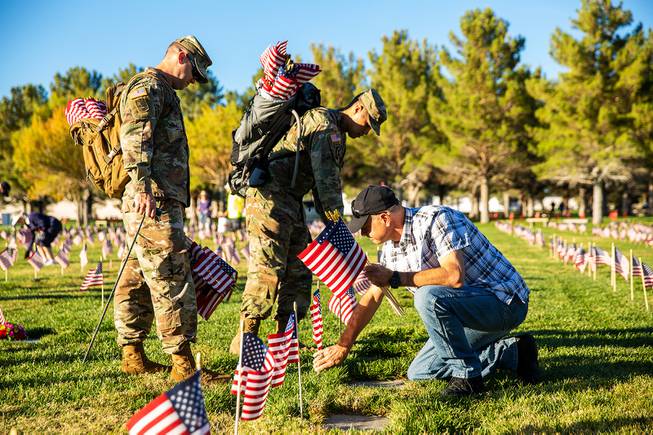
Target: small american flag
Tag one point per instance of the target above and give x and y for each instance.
(83, 257)
(257, 369)
(335, 258)
(2, 317)
(284, 346)
(362, 284)
(214, 279)
(35, 260)
(6, 259)
(107, 248)
(621, 264)
(343, 306)
(316, 319)
(180, 410)
(580, 261)
(601, 257)
(647, 271)
(94, 278)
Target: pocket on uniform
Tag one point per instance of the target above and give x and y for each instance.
(171, 267)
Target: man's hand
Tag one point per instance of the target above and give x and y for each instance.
(329, 357)
(378, 275)
(332, 215)
(145, 204)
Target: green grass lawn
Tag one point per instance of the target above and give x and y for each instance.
(596, 353)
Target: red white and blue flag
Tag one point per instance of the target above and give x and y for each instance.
(254, 374)
(180, 411)
(335, 258)
(214, 279)
(343, 306)
(316, 319)
(284, 346)
(621, 264)
(94, 278)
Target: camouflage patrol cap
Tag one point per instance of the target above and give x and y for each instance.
(198, 57)
(375, 106)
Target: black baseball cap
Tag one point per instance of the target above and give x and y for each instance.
(372, 200)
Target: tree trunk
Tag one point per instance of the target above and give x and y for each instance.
(485, 201)
(625, 204)
(649, 210)
(530, 206)
(474, 213)
(506, 204)
(597, 202)
(582, 202)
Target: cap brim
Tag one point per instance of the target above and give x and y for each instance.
(201, 76)
(357, 223)
(374, 125)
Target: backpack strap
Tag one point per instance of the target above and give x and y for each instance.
(299, 139)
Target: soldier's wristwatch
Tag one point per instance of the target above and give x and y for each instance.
(395, 280)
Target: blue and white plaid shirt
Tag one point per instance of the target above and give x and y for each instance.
(432, 232)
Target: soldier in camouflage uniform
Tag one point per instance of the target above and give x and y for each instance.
(157, 281)
(275, 215)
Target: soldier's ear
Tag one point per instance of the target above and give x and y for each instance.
(181, 57)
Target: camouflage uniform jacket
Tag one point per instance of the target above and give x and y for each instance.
(322, 152)
(153, 138)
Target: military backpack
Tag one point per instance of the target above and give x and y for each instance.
(263, 124)
(100, 142)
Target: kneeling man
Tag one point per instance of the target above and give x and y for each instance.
(466, 292)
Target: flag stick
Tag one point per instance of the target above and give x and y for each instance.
(613, 275)
(339, 316)
(589, 259)
(36, 274)
(240, 375)
(632, 284)
(399, 311)
(6, 275)
(299, 365)
(115, 285)
(644, 286)
(198, 361)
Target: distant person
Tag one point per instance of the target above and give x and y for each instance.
(466, 292)
(44, 230)
(235, 208)
(5, 188)
(204, 212)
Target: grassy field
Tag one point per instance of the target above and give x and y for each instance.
(596, 350)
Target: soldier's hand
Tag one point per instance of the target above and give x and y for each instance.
(145, 204)
(329, 357)
(332, 215)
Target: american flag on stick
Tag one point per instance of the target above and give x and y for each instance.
(35, 260)
(94, 278)
(361, 284)
(254, 376)
(284, 346)
(621, 264)
(335, 258)
(601, 257)
(580, 261)
(7, 259)
(316, 319)
(180, 410)
(214, 279)
(343, 306)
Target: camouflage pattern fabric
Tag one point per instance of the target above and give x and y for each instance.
(151, 114)
(157, 281)
(275, 215)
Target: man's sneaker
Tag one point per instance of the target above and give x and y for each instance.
(460, 387)
(48, 262)
(528, 369)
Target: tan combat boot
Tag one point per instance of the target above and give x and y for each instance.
(134, 361)
(250, 325)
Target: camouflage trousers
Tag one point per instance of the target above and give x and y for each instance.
(157, 281)
(277, 233)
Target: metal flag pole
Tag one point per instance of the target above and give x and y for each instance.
(240, 375)
(106, 307)
(299, 364)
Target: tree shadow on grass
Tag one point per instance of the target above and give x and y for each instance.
(627, 337)
(584, 426)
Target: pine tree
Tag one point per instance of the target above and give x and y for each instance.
(585, 135)
(484, 109)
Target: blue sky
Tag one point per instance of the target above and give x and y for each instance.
(40, 38)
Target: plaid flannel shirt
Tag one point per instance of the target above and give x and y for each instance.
(432, 232)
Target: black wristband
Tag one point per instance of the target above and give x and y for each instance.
(395, 280)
